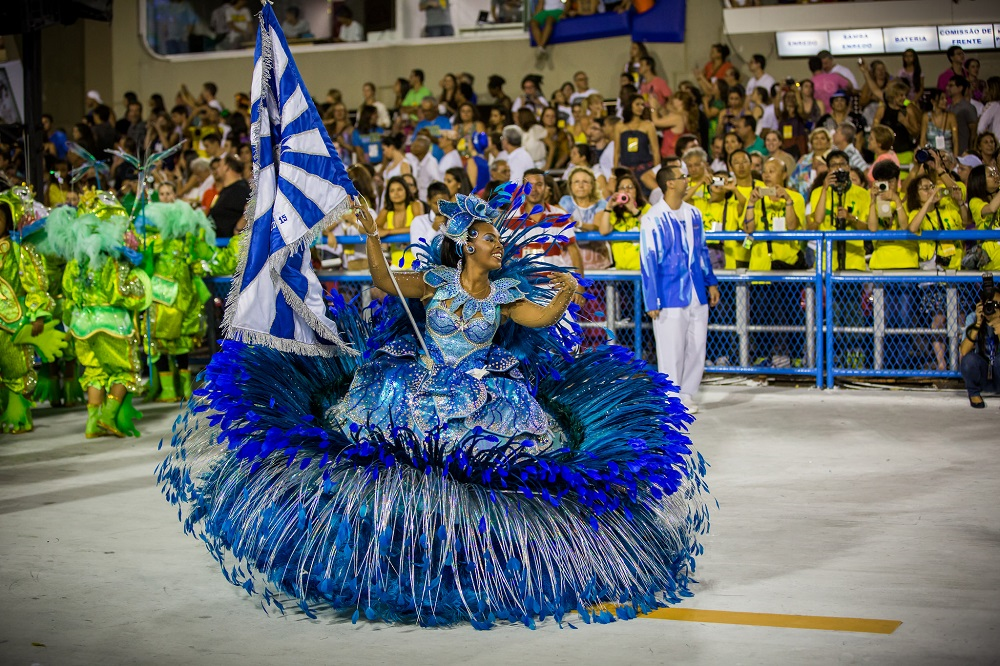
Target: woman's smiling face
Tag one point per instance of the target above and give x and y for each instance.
(487, 248)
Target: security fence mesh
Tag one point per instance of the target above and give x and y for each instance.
(766, 324)
(891, 327)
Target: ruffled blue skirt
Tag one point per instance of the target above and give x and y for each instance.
(304, 489)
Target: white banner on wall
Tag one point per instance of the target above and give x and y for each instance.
(860, 41)
(923, 38)
(798, 44)
(802, 43)
(969, 37)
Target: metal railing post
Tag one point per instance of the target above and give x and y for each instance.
(810, 333)
(828, 305)
(610, 312)
(637, 311)
(878, 325)
(743, 322)
(952, 325)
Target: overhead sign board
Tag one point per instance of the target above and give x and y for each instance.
(863, 41)
(860, 41)
(969, 37)
(802, 43)
(922, 38)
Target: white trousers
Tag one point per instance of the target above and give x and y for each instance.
(681, 335)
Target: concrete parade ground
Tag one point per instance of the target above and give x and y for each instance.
(853, 527)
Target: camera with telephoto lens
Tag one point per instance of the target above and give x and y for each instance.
(923, 155)
(988, 296)
(841, 181)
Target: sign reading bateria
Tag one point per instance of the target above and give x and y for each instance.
(923, 38)
(864, 41)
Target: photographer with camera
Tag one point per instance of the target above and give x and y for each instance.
(924, 202)
(979, 349)
(839, 205)
(623, 212)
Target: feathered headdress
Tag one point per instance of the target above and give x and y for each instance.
(463, 213)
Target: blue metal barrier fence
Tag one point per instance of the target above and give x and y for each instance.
(815, 323)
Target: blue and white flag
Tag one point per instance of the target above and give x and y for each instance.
(300, 187)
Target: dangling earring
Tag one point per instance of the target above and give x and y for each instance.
(470, 249)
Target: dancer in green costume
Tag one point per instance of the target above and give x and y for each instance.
(25, 310)
(179, 246)
(103, 291)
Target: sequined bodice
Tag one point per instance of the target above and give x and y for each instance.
(458, 325)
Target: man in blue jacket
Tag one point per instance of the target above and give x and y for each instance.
(678, 283)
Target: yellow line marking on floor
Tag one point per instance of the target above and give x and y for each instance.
(777, 620)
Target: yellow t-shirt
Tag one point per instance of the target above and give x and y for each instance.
(857, 201)
(626, 254)
(984, 222)
(947, 201)
(398, 251)
(942, 219)
(763, 253)
(893, 255)
(733, 221)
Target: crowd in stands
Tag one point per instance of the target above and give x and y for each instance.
(841, 149)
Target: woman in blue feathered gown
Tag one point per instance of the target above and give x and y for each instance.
(474, 470)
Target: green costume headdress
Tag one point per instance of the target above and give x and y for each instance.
(174, 220)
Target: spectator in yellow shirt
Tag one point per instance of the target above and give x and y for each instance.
(984, 206)
(773, 208)
(887, 213)
(840, 205)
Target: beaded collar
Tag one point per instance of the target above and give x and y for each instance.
(449, 288)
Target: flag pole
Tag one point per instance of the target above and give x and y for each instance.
(358, 202)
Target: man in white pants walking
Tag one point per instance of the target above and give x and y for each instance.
(678, 284)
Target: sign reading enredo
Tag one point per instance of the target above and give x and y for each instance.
(920, 39)
(969, 37)
(802, 43)
(859, 41)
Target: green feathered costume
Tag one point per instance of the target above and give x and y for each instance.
(179, 246)
(24, 299)
(103, 292)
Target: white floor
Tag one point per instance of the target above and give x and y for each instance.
(856, 504)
